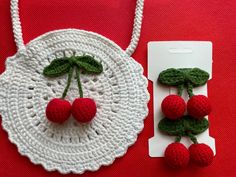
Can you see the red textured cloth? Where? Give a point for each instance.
(173, 106)
(58, 110)
(176, 155)
(212, 20)
(201, 154)
(84, 109)
(198, 106)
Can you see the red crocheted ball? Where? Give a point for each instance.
(58, 110)
(201, 154)
(173, 107)
(176, 155)
(84, 109)
(198, 106)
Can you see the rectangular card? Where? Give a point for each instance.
(175, 54)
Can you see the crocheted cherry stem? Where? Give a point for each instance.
(61, 66)
(178, 138)
(190, 89)
(70, 74)
(79, 82)
(192, 137)
(180, 89)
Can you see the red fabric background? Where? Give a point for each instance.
(212, 20)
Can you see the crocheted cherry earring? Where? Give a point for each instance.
(177, 124)
(83, 109)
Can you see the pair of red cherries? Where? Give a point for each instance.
(82, 109)
(176, 154)
(174, 106)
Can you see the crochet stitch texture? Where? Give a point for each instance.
(120, 92)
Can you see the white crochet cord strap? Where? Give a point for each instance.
(17, 29)
(120, 93)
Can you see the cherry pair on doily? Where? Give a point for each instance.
(58, 110)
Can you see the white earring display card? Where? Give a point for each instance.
(175, 54)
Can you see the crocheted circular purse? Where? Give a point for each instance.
(189, 125)
(104, 84)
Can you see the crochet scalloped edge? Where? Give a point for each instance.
(8, 64)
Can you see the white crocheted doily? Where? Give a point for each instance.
(120, 93)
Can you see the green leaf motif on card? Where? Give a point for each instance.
(183, 126)
(183, 76)
(195, 126)
(197, 77)
(172, 127)
(172, 77)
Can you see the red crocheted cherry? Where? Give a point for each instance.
(198, 106)
(173, 107)
(84, 109)
(58, 110)
(176, 155)
(201, 154)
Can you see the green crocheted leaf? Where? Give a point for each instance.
(57, 67)
(172, 127)
(172, 77)
(183, 76)
(88, 64)
(183, 126)
(195, 126)
(197, 77)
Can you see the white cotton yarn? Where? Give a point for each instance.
(120, 93)
(138, 17)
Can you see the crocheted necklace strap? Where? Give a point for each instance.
(17, 29)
